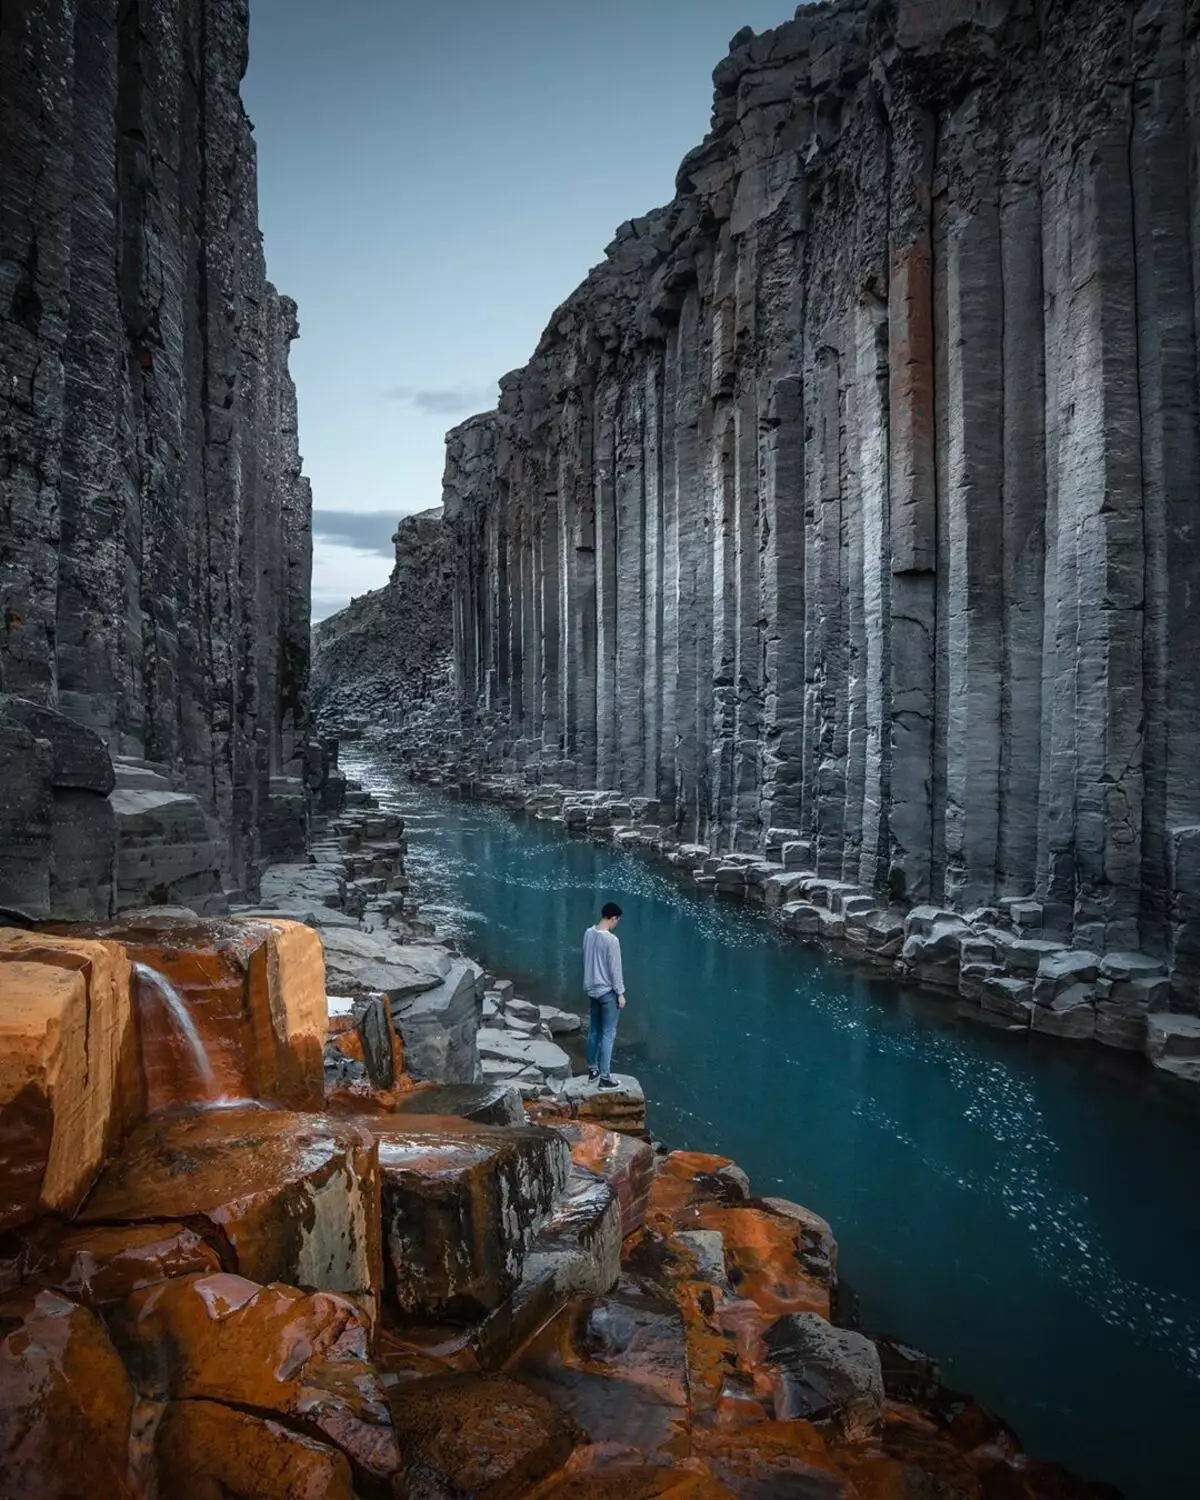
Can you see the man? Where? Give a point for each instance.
(605, 984)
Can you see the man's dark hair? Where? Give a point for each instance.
(611, 909)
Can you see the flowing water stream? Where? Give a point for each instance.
(180, 1017)
(1024, 1209)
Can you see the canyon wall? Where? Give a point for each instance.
(388, 652)
(154, 521)
(855, 492)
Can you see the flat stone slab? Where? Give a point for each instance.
(293, 1198)
(1173, 1044)
(534, 1052)
(560, 1022)
(368, 963)
(483, 1103)
(622, 1108)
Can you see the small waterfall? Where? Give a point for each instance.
(178, 1011)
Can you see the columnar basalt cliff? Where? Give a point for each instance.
(854, 493)
(154, 521)
(388, 653)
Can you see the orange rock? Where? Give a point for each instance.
(461, 1203)
(255, 990)
(626, 1163)
(765, 1255)
(686, 1178)
(606, 1471)
(915, 1441)
(616, 1366)
(67, 1069)
(486, 1436)
(349, 1044)
(266, 1349)
(784, 1458)
(729, 1382)
(291, 1198)
(723, 1175)
(97, 1266)
(205, 1450)
(66, 1404)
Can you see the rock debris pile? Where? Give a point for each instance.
(387, 658)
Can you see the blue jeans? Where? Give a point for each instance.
(603, 1030)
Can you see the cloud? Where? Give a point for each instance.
(342, 572)
(367, 530)
(452, 401)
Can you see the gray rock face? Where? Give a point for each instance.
(853, 494)
(154, 521)
(389, 652)
(830, 1376)
(440, 1025)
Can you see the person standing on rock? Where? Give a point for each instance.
(605, 985)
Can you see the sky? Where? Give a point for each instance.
(435, 177)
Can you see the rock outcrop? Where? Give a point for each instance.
(851, 500)
(154, 522)
(383, 658)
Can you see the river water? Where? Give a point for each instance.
(1025, 1210)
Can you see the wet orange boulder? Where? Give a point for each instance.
(289, 1197)
(206, 1451)
(98, 1266)
(616, 1366)
(66, 1404)
(67, 1069)
(766, 1257)
(626, 1163)
(272, 1350)
(461, 1205)
(775, 1458)
(688, 1177)
(478, 1437)
(255, 993)
(607, 1471)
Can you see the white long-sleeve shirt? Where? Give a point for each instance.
(602, 963)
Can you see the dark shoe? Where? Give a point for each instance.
(593, 1074)
(609, 1082)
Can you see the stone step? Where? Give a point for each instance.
(485, 1190)
(284, 1197)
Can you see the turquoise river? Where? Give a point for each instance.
(1026, 1211)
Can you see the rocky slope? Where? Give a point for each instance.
(154, 521)
(853, 494)
(387, 653)
(371, 1274)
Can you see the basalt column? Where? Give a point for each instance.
(154, 521)
(870, 465)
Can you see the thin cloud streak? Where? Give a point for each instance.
(449, 402)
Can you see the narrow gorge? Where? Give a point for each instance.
(853, 495)
(823, 588)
